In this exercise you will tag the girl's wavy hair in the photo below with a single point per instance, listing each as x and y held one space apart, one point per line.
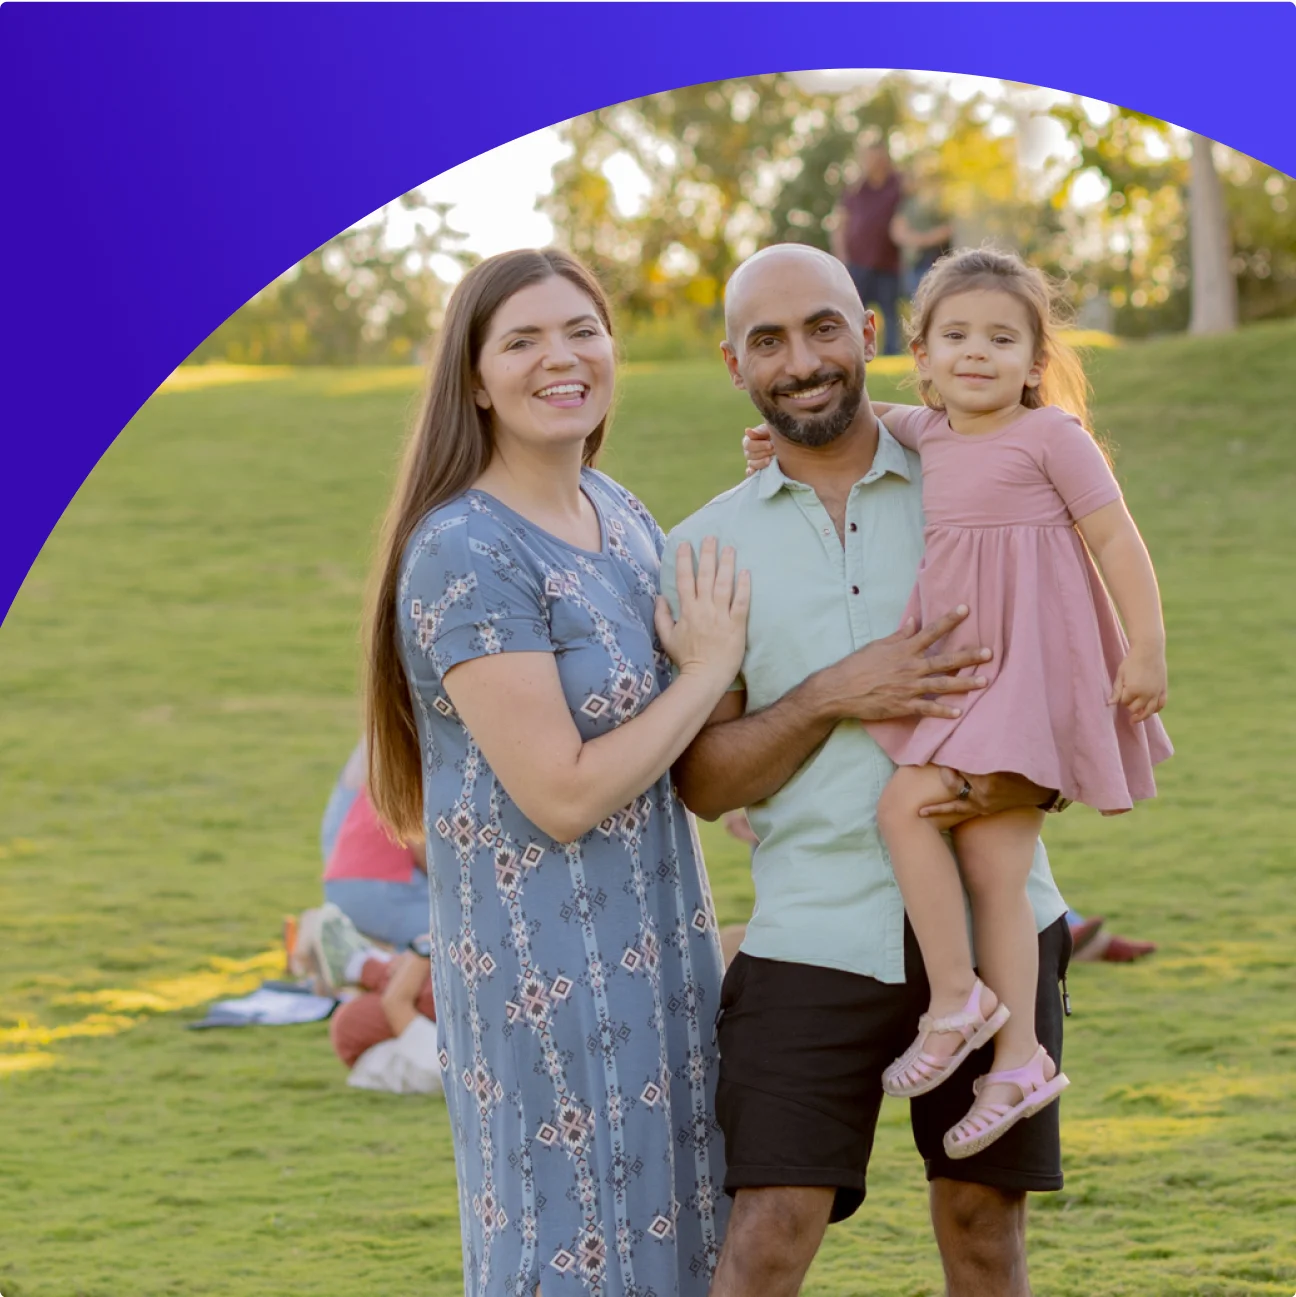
968 269
447 450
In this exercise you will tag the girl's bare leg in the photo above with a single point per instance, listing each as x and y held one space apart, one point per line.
995 853
928 877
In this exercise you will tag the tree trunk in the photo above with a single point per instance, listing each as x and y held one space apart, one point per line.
1214 290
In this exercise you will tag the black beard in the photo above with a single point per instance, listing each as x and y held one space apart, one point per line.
816 430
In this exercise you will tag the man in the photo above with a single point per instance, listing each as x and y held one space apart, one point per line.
828 987
862 238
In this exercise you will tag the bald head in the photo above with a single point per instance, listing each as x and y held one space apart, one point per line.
762 281
797 340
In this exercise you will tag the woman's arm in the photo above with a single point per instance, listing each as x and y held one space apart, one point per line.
513 706
1118 549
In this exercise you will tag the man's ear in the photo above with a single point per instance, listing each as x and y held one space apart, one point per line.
868 331
731 363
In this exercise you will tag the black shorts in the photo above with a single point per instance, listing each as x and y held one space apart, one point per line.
802 1051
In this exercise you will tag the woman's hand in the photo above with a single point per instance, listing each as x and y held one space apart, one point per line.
1141 683
711 635
758 448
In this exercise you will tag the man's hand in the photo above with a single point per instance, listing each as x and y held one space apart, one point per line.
989 795
891 676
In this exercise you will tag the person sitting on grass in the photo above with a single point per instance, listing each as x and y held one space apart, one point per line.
380 884
386 1035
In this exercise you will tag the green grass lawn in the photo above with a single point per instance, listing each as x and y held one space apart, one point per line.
179 678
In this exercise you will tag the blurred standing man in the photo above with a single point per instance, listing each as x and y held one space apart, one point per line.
862 238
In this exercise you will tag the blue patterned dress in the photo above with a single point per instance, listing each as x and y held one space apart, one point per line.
576 986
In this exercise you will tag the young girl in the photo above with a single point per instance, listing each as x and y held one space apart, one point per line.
1010 475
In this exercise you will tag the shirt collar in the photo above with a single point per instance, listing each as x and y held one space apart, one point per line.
890 458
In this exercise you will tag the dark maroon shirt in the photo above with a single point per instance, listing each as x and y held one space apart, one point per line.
868 225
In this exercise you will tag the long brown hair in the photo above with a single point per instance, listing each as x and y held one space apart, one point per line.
968 269
448 448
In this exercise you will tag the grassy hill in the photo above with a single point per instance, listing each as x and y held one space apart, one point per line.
179 676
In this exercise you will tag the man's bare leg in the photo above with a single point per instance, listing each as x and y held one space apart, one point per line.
773 1236
981 1233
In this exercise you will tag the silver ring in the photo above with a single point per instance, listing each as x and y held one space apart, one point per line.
965 792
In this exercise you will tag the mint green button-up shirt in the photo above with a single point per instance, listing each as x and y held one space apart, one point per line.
825 893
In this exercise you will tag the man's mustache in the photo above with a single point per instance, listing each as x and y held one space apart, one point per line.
817 379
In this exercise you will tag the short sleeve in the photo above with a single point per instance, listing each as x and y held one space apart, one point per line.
650 524
466 593
907 423
1076 465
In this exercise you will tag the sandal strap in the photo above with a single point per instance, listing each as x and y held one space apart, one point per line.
965 1021
1028 1078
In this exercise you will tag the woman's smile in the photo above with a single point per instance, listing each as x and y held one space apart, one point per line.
564 396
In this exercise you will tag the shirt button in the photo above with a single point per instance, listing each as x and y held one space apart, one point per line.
853 527
827 531
854 589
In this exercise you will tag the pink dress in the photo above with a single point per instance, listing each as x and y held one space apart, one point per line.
1000 537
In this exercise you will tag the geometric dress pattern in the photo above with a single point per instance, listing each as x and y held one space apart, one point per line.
576 984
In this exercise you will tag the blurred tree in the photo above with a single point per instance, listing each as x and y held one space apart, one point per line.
1129 247
713 158
1214 289
1179 212
1259 201
357 299
728 166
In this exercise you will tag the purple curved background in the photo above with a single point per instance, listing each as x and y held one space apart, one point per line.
161 163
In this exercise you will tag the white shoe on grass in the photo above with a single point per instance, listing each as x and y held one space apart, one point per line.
326 941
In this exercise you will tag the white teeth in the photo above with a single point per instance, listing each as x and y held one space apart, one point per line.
563 389
814 391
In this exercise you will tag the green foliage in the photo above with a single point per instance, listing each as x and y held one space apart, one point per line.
1144 266
358 299
1260 202
711 154
179 675
733 164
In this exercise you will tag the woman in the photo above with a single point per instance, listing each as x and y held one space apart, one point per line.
521 714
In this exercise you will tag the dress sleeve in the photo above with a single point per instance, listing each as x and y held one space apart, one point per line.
907 423
651 525
465 593
1076 465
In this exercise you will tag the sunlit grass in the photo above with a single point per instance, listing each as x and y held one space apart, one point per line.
179 682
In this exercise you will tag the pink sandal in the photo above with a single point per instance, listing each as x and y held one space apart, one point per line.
985 1122
916 1072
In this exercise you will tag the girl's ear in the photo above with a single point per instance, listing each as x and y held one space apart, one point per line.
1035 374
921 359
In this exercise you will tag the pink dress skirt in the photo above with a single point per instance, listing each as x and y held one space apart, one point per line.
1000 537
